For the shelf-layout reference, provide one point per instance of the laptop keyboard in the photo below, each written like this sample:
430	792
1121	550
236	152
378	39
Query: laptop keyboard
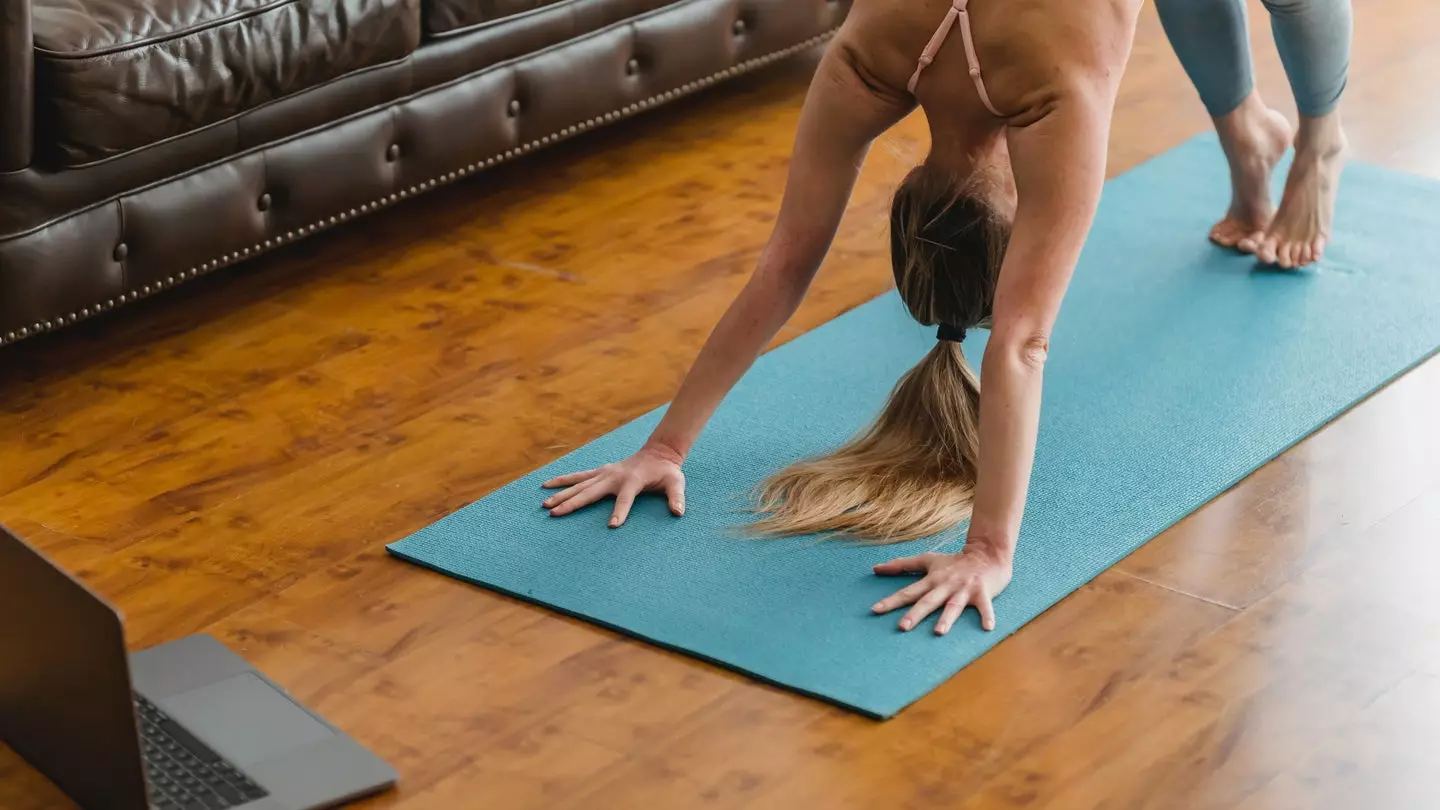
184	773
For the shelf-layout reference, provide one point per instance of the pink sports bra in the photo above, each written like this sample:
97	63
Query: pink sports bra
957	12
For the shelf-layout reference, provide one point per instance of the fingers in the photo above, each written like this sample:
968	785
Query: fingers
570	480
954	608
987	610
561	497
902	597
926	605
588	493
918	564
624	499
675	493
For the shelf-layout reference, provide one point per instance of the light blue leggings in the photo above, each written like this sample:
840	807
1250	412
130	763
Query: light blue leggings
1213	42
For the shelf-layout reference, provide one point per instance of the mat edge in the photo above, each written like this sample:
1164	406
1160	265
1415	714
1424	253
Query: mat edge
836	702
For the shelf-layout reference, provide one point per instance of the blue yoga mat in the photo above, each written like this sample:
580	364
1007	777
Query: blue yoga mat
1177	369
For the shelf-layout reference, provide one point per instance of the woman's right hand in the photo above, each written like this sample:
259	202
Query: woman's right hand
654	468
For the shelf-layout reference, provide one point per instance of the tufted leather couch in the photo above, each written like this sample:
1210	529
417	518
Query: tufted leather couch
121	119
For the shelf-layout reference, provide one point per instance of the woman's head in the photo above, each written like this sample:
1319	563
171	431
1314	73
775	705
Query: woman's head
947	239
912	473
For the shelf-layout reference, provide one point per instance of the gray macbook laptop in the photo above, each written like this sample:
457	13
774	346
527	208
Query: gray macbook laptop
184	726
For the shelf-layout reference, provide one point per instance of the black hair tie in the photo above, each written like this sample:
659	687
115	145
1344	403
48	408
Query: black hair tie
950	334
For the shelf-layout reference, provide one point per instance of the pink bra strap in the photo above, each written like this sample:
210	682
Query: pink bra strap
957	12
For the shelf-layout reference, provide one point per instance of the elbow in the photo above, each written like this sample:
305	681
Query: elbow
1022	349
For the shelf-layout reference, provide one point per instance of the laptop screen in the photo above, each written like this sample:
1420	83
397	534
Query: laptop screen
65	699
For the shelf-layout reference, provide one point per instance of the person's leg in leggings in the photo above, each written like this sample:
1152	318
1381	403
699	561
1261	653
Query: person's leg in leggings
1212	40
1313	38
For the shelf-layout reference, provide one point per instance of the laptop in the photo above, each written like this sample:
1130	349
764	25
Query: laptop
184	726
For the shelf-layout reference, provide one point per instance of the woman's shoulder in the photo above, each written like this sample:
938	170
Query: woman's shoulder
1034	50
882	39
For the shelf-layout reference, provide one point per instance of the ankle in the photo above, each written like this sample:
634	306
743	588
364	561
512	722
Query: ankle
1322	137
1239	123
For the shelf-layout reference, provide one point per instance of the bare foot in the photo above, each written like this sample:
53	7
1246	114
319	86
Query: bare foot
1254	137
1301	228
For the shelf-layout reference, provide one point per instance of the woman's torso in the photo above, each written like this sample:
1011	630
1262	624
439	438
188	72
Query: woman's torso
1029	50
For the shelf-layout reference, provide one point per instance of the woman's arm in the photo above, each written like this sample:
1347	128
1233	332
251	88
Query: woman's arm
840	119
1059	166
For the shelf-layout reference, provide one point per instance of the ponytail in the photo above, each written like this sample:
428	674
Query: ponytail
910	475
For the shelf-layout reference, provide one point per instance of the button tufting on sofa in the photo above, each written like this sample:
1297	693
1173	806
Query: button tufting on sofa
451	127
264	202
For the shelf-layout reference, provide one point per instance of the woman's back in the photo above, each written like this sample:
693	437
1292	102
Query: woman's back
1029	50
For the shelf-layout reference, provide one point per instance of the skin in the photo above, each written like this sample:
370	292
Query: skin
1255	137
1053	66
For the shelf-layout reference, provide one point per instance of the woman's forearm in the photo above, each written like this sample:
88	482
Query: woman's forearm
757	314
1009	421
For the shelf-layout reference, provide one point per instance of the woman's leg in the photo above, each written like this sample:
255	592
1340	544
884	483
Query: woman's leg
1313	38
1213	43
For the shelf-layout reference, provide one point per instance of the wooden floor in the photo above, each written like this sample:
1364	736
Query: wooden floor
231	458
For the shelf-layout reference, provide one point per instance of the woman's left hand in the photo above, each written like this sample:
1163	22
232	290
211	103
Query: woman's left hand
975	576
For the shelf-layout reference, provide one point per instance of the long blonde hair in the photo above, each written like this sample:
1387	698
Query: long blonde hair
912	473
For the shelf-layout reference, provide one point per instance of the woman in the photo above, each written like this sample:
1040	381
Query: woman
988	229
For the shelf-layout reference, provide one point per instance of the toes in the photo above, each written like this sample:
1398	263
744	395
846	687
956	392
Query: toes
1286	255
1225	233
1317	249
1250	242
1265	251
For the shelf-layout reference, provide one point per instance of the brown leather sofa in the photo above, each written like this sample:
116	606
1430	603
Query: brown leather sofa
146	142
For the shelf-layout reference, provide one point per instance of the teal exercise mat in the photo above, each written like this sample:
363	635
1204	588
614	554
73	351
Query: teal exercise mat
1176	369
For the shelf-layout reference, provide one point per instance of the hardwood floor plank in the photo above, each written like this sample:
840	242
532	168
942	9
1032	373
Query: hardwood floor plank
1383	758
755	750
1230	714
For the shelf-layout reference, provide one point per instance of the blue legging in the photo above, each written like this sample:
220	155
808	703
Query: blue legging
1213	42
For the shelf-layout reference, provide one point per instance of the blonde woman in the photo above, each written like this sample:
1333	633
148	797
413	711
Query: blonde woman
988	229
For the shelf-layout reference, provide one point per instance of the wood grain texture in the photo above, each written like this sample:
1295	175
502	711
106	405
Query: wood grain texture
232	456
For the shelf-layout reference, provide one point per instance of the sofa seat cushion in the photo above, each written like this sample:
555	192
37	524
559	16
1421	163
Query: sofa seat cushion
450	16
117	75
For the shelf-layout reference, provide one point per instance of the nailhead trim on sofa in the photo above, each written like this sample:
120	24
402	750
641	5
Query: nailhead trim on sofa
565	133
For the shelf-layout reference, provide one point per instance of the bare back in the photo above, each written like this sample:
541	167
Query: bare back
1029	50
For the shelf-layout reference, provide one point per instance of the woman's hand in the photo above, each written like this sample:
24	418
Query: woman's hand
654	468
974	576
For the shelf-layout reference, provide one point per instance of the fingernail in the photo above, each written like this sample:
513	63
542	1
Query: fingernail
614	523
905	625
876	607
